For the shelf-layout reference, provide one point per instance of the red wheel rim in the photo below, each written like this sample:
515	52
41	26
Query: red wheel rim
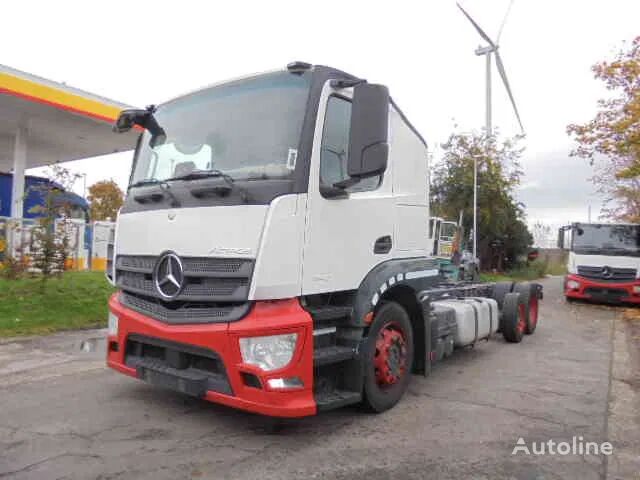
522	322
533	313
390	360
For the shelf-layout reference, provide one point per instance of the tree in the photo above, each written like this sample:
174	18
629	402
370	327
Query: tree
502	233
544	235
611	140
50	239
105	199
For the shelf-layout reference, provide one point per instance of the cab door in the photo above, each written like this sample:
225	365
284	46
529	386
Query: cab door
347	235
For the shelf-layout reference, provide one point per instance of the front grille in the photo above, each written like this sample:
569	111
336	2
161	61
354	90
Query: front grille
214	289
608	274
137	263
199	289
185	312
184	367
217	265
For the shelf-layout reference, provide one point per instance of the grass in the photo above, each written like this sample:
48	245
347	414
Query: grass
75	300
533	271
79	299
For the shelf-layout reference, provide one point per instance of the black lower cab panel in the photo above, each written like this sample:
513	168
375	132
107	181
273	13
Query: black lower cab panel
330	390
606	294
184	368
337	379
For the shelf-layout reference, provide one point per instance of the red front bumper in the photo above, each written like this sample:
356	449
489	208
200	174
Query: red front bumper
601	291
265	318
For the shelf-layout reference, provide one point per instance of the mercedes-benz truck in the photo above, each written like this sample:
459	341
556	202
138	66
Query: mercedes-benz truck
603	264
271	252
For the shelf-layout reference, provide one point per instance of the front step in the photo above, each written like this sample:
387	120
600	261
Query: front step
336	399
323	314
332	354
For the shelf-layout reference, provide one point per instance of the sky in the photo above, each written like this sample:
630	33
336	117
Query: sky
141	53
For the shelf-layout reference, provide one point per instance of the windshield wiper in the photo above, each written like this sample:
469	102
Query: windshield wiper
164	186
144	182
167	188
199	174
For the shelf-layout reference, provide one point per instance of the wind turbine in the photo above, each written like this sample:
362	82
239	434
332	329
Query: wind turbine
492	48
487	51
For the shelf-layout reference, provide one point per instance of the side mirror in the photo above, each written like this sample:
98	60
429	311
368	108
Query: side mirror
561	238
368	142
129	118
143	118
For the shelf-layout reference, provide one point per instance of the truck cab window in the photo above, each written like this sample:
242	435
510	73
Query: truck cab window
246	129
335	146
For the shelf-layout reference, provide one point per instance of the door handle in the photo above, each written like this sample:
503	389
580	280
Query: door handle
383	245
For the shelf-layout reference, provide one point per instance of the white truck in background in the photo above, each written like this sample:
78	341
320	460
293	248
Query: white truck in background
603	263
271	253
446	244
442	237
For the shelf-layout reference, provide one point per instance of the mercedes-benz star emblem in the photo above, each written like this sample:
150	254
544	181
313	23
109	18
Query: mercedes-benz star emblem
606	272
168	276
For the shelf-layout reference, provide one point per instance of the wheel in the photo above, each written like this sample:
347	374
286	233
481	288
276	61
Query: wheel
513	318
498	291
529	296
388	358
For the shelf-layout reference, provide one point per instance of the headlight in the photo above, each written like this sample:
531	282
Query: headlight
573	285
268	353
636	289
112	328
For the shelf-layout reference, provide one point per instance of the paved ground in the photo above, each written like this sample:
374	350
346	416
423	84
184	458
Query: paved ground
63	415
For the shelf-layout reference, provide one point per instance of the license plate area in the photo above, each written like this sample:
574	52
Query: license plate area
196	387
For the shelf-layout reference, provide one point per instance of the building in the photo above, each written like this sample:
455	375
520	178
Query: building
45	122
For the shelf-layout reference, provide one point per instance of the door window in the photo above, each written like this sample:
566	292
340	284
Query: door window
335	147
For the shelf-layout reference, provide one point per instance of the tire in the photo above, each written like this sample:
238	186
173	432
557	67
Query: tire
529	296
513	318
498	291
390	337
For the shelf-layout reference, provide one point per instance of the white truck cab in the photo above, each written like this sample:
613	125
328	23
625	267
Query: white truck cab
603	262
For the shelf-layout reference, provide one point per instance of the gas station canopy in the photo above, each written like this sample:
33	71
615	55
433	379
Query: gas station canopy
44	122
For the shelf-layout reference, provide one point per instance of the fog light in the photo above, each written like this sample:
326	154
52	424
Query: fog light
283	383
268	353
573	285
636	289
112	325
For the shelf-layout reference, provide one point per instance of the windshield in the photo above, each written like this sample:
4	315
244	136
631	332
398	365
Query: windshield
247	129
447	231
606	238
